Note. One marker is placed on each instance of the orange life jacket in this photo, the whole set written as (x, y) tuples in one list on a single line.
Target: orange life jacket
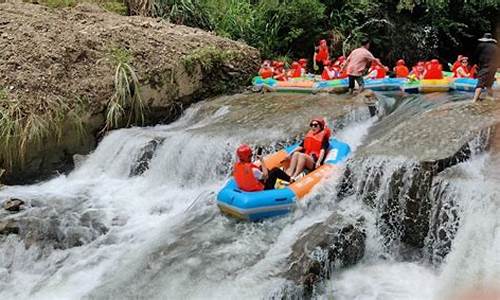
[(314, 142), (401, 71), (434, 71), (243, 175), (322, 54), (266, 73)]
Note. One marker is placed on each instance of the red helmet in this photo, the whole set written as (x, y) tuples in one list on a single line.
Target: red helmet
[(400, 62), (244, 153), (320, 120), (434, 61)]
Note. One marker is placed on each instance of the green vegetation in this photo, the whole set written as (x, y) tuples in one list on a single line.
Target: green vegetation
[(28, 126), (409, 29), (126, 106)]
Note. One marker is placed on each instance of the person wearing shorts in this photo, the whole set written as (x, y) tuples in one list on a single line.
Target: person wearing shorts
[(356, 64), (485, 57)]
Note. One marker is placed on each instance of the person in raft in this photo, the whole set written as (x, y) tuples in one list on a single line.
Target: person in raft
[(433, 70), (377, 70), (418, 71), (295, 70), (356, 64), (266, 71), (279, 71), (400, 70), (484, 56), (456, 64), (463, 71), (312, 151), (339, 67), (252, 178), (329, 71), (321, 54), (303, 66)]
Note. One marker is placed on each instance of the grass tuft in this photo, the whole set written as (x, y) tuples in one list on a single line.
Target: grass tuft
[(126, 105), (27, 127)]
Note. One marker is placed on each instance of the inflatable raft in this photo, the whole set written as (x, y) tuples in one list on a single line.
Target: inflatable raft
[(313, 84), (256, 206), (434, 85)]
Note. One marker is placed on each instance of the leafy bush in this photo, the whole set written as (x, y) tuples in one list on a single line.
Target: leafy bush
[(412, 29)]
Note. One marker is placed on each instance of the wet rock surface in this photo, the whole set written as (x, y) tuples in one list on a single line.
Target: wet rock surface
[(54, 227), (13, 204), (278, 115), (324, 248), (401, 173)]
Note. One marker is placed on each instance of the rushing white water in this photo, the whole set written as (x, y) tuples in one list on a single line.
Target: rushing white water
[(123, 226), (163, 236), (472, 265)]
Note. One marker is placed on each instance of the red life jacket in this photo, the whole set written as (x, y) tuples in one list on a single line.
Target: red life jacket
[(401, 71), (434, 71), (322, 54), (295, 73), (313, 142), (243, 175), (458, 75), (325, 75), (266, 73), (455, 67), (381, 72)]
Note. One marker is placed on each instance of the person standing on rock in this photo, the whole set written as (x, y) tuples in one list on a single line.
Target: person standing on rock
[(485, 58), (356, 64)]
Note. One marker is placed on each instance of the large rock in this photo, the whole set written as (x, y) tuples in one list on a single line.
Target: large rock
[(323, 248), (66, 54), (13, 204), (397, 171)]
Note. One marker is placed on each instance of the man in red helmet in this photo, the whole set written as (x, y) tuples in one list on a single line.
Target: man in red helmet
[(252, 178)]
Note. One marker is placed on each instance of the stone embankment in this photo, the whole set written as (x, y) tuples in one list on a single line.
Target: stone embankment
[(62, 69)]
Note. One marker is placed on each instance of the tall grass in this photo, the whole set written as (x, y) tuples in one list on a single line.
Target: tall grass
[(126, 106), (28, 127)]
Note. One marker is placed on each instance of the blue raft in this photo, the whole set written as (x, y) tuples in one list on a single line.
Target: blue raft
[(256, 206)]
